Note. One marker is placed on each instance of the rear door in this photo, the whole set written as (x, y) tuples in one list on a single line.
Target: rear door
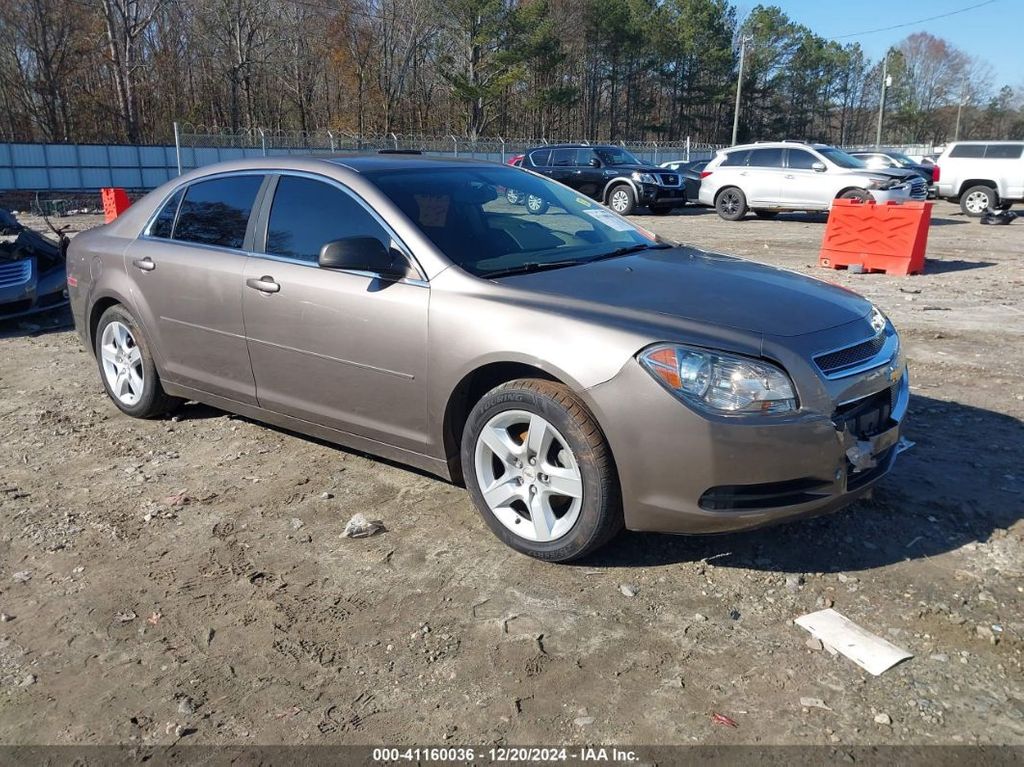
[(563, 167), (342, 349), (187, 273), (762, 177)]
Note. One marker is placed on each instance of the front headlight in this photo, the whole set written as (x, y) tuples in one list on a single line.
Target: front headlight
[(643, 178), (719, 382)]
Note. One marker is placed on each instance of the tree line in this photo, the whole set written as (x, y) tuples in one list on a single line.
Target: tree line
[(661, 70)]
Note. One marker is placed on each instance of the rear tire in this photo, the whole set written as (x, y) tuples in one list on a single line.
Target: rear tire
[(514, 197), (126, 365), (974, 201), (551, 490), (731, 203), (622, 200)]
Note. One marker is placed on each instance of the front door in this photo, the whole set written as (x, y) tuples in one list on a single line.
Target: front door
[(802, 185), (186, 272), (341, 349)]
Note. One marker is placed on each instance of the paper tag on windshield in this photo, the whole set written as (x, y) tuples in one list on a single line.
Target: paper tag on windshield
[(608, 218), (433, 209)]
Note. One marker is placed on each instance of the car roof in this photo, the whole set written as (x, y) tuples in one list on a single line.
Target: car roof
[(1011, 141), (362, 163)]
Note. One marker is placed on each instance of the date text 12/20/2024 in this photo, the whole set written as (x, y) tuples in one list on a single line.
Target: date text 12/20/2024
[(496, 754)]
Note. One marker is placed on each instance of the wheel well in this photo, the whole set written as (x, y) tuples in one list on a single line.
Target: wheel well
[(613, 186), (841, 192), (724, 189), (94, 318), (964, 186), (468, 392)]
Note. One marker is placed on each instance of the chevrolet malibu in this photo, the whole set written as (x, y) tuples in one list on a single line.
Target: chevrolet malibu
[(575, 372)]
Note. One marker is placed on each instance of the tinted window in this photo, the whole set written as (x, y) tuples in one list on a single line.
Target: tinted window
[(968, 150), (164, 222), (1004, 151), (563, 156), (584, 156), (765, 158), (736, 158), (216, 212), (307, 213), (801, 160), (540, 157)]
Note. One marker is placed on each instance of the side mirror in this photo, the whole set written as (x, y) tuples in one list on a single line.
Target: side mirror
[(594, 163), (363, 254), (818, 167)]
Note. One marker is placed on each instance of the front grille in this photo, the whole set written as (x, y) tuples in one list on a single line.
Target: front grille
[(918, 189), (833, 362), (15, 273), (669, 179)]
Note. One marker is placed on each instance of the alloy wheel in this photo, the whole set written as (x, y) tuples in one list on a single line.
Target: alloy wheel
[(122, 363), (620, 200), (528, 476), (976, 202), (730, 202)]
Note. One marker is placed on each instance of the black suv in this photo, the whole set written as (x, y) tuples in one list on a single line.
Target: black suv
[(608, 174)]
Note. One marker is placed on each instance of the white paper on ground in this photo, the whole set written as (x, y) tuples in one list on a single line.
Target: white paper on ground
[(868, 651)]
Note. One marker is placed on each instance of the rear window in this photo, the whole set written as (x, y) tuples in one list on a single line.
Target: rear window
[(1004, 151), (766, 158), (216, 212), (540, 157), (163, 224), (968, 150), (738, 157)]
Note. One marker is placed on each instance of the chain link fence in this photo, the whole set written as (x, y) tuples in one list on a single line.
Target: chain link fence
[(198, 145)]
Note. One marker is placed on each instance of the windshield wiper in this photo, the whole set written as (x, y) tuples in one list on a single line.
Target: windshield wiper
[(625, 251), (532, 266)]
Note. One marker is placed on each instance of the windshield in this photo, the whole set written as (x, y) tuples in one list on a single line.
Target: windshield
[(841, 158), (902, 159), (613, 155), (498, 220)]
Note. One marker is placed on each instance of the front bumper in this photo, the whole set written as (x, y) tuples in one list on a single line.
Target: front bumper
[(26, 292), (899, 194), (682, 472), (661, 196)]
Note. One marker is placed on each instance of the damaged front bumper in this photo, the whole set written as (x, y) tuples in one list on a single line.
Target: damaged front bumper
[(681, 472), (24, 291)]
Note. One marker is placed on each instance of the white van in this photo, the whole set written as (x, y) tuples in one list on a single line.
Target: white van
[(981, 174)]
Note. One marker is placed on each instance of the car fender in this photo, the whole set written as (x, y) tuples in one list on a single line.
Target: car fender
[(619, 180)]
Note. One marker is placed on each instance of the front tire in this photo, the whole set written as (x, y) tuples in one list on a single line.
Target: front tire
[(540, 472), (731, 204), (126, 366), (515, 197), (537, 206), (622, 200), (855, 194), (976, 200)]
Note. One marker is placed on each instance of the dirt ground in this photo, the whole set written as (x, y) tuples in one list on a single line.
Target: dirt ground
[(186, 578)]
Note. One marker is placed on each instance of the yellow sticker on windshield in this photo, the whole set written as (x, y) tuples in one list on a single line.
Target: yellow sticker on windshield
[(584, 201)]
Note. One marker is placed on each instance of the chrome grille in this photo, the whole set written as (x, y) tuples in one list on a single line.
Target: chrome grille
[(918, 189), (669, 179), (15, 273), (833, 362)]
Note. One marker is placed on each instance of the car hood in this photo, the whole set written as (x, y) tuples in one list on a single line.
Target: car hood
[(692, 284), (641, 169)]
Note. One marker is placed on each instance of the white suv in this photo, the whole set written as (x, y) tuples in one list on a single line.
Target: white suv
[(982, 174), (770, 177)]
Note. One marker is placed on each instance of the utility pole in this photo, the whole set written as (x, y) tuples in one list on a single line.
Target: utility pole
[(960, 108), (739, 83), (886, 82)]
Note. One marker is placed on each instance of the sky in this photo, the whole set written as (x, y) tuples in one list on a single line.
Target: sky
[(992, 32)]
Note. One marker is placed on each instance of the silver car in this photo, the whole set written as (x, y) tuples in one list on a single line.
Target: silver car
[(575, 372), (771, 177)]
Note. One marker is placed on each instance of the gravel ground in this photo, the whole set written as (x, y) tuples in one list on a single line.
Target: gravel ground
[(186, 578)]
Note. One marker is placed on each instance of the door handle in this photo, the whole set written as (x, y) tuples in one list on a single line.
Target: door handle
[(789, 175), (145, 264), (264, 284)]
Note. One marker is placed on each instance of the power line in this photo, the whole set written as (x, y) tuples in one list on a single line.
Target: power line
[(912, 23)]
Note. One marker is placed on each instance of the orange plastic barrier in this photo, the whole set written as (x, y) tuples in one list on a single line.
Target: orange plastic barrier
[(115, 202), (890, 238)]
